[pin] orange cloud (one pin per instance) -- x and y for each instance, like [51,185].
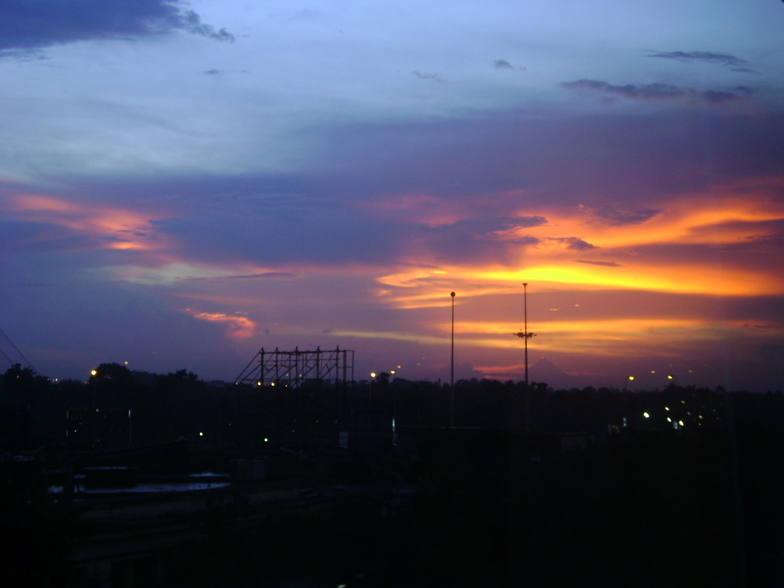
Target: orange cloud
[579,248]
[238,327]
[115,228]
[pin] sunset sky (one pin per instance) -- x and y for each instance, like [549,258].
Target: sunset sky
[184,183]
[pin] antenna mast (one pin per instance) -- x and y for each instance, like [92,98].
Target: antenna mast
[525,334]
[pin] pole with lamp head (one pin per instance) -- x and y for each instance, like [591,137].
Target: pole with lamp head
[452,372]
[525,335]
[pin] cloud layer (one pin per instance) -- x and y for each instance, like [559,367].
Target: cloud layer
[330,177]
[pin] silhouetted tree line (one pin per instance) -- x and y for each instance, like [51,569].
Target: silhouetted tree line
[688,494]
[179,404]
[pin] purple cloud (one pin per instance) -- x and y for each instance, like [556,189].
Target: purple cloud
[573,243]
[658,91]
[620,217]
[729,61]
[641,92]
[29,25]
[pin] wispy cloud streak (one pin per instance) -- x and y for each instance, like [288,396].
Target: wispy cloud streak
[660,92]
[729,61]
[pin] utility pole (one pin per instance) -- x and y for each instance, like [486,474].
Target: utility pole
[525,335]
[452,376]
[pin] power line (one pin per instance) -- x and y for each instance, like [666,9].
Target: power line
[22,355]
[10,362]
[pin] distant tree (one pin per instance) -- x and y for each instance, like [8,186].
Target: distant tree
[178,377]
[113,372]
[17,378]
[20,382]
[112,385]
[383,380]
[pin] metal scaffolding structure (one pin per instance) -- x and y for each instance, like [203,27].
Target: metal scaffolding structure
[293,399]
[297,369]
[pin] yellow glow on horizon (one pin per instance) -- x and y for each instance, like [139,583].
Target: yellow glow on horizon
[392,335]
[680,279]
[684,279]
[600,338]
[437,296]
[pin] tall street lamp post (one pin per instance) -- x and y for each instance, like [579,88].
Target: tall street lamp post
[526,335]
[452,374]
[626,399]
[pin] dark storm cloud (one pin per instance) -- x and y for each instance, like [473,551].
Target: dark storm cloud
[26,25]
[573,243]
[620,217]
[658,91]
[601,263]
[502,64]
[729,61]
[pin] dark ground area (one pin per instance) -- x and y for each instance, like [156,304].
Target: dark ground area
[545,490]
